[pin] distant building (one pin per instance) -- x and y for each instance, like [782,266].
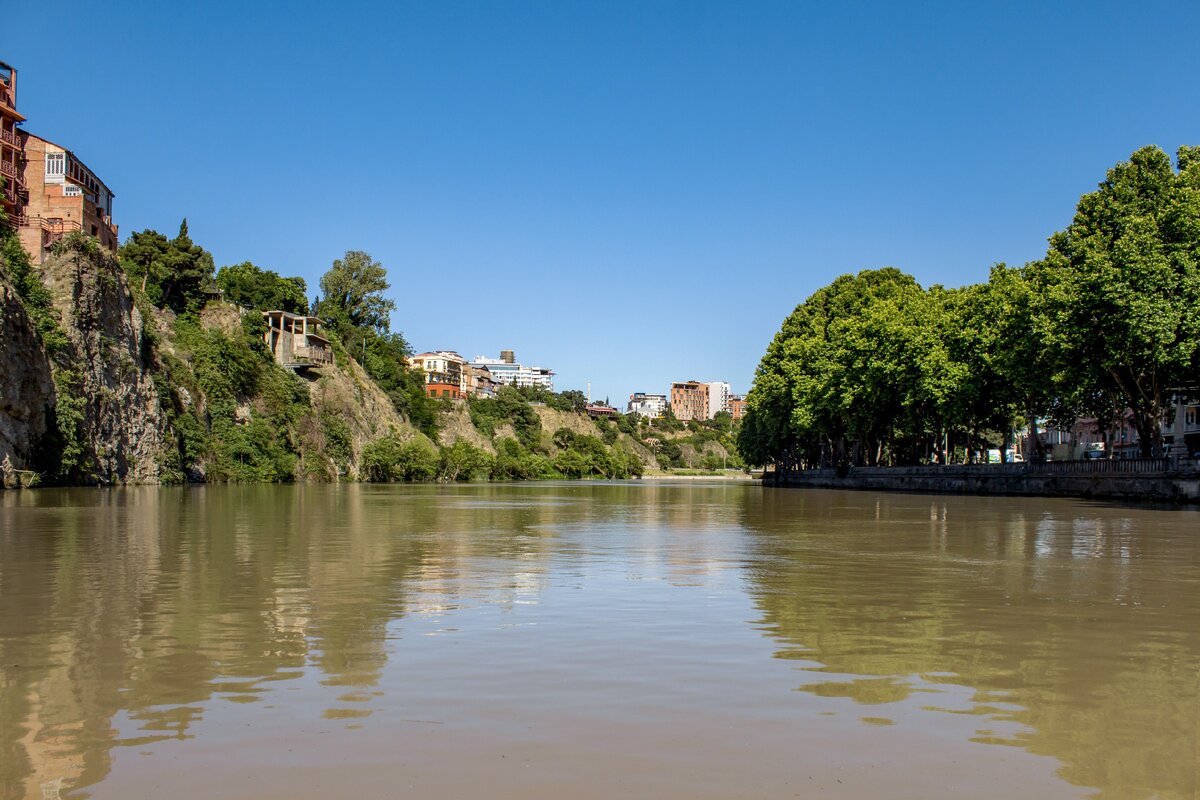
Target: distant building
[601,410]
[480,382]
[507,371]
[718,398]
[737,406]
[651,406]
[295,340]
[444,372]
[689,400]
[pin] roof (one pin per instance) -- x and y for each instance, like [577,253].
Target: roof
[290,315]
[70,152]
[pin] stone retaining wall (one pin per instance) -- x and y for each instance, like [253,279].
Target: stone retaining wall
[1012,479]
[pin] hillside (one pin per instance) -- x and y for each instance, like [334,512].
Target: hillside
[95,391]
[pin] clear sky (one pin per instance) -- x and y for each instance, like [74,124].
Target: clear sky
[628,193]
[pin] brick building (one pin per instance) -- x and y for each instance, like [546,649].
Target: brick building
[737,406]
[689,400]
[64,196]
[48,191]
[12,156]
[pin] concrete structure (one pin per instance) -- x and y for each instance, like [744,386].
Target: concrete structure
[737,407]
[508,371]
[718,398]
[689,400]
[295,340]
[12,154]
[445,375]
[651,406]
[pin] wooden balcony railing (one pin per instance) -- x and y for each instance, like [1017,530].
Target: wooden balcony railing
[11,171]
[60,227]
[10,138]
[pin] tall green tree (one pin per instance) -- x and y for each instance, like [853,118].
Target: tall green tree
[173,273]
[353,294]
[1122,292]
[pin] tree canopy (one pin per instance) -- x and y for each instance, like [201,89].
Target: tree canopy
[874,369]
[353,294]
[263,289]
[173,273]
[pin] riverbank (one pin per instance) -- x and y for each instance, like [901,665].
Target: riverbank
[1139,480]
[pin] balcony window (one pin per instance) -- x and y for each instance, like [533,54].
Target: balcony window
[56,166]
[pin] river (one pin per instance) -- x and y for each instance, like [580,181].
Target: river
[594,640]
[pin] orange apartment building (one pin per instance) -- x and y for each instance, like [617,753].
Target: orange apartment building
[737,407]
[49,192]
[689,400]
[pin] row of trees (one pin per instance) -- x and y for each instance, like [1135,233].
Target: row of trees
[873,369]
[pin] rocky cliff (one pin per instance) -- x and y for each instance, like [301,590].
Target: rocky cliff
[93,391]
[26,387]
[105,371]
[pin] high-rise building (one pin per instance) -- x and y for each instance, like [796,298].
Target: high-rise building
[718,398]
[689,400]
[737,406]
[508,371]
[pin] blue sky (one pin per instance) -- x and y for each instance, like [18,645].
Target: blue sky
[628,193]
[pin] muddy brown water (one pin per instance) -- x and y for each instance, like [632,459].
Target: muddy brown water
[591,640]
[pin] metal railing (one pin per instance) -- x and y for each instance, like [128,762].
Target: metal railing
[1116,466]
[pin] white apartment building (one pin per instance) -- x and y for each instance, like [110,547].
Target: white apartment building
[718,398]
[651,406]
[506,371]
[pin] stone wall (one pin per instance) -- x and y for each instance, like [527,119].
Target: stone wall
[1170,485]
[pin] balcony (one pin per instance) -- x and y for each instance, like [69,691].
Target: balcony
[14,175]
[10,138]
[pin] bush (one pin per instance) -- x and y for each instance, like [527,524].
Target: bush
[393,459]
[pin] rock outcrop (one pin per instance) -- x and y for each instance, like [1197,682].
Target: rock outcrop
[108,365]
[26,387]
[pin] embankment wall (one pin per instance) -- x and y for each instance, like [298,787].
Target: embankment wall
[1136,483]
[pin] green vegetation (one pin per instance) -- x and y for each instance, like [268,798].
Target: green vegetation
[358,315]
[171,273]
[263,289]
[873,369]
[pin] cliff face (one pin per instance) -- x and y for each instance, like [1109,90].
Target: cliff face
[26,387]
[105,372]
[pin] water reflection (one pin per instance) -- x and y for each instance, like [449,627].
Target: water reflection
[1081,624]
[129,618]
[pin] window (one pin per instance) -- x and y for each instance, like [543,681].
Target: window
[56,166]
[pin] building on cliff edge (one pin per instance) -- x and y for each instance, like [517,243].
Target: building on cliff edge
[48,191]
